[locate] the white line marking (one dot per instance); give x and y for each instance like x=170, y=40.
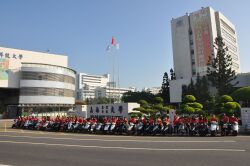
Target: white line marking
x=105, y=140
x=123, y=148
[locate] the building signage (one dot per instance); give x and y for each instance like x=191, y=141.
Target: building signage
x=10, y=56
x=4, y=68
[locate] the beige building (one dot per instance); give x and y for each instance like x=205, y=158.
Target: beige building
x=193, y=37
x=34, y=81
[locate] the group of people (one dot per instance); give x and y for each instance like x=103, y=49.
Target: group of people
x=177, y=124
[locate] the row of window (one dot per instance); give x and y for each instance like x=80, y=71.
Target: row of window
x=46, y=92
x=226, y=26
x=26, y=75
x=52, y=67
x=229, y=36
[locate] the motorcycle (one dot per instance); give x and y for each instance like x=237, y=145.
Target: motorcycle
x=235, y=128
x=203, y=129
x=214, y=128
x=131, y=128
x=224, y=129
x=181, y=129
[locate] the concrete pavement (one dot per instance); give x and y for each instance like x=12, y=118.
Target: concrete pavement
x=23, y=147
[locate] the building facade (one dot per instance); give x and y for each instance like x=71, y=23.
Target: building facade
x=88, y=83
x=112, y=92
x=153, y=90
x=193, y=36
x=95, y=86
x=35, y=81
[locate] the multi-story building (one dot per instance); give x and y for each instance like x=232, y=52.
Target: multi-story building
x=94, y=86
x=35, y=82
x=153, y=90
x=112, y=92
x=88, y=83
x=193, y=38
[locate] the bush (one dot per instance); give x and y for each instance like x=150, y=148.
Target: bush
x=230, y=105
x=226, y=98
x=158, y=100
x=189, y=98
x=242, y=94
x=188, y=110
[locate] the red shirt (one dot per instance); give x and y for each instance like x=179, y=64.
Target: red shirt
x=225, y=119
x=151, y=122
x=214, y=119
x=133, y=120
x=233, y=119
x=166, y=120
x=144, y=121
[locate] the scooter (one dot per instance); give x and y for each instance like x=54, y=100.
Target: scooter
x=235, y=128
x=130, y=128
x=181, y=129
x=224, y=129
x=214, y=128
x=106, y=128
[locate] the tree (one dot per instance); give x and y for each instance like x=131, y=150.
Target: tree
x=188, y=89
x=137, y=96
x=99, y=100
x=172, y=74
x=225, y=104
x=220, y=71
x=165, y=92
x=190, y=106
x=151, y=109
x=199, y=89
x=242, y=94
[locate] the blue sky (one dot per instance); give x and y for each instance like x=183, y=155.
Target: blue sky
x=82, y=29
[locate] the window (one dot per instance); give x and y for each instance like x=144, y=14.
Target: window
x=179, y=23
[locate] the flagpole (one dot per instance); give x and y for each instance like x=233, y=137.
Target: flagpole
x=118, y=79
x=113, y=58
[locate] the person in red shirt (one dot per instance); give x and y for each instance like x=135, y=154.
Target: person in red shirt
x=133, y=120
x=114, y=120
x=233, y=119
x=225, y=119
x=213, y=119
x=159, y=122
x=151, y=121
x=80, y=120
x=84, y=120
x=125, y=120
x=167, y=120
x=144, y=121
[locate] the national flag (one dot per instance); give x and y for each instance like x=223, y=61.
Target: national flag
x=113, y=41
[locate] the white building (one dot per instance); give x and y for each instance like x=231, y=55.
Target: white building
x=94, y=86
x=193, y=38
x=112, y=92
x=88, y=83
x=35, y=81
x=153, y=90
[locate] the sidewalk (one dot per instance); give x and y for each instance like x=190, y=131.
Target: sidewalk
x=6, y=123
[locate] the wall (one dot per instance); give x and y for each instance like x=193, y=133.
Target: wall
x=181, y=47
x=245, y=116
x=117, y=109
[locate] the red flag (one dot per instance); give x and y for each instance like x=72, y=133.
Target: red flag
x=113, y=40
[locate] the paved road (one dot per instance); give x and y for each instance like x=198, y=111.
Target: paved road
x=22, y=147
